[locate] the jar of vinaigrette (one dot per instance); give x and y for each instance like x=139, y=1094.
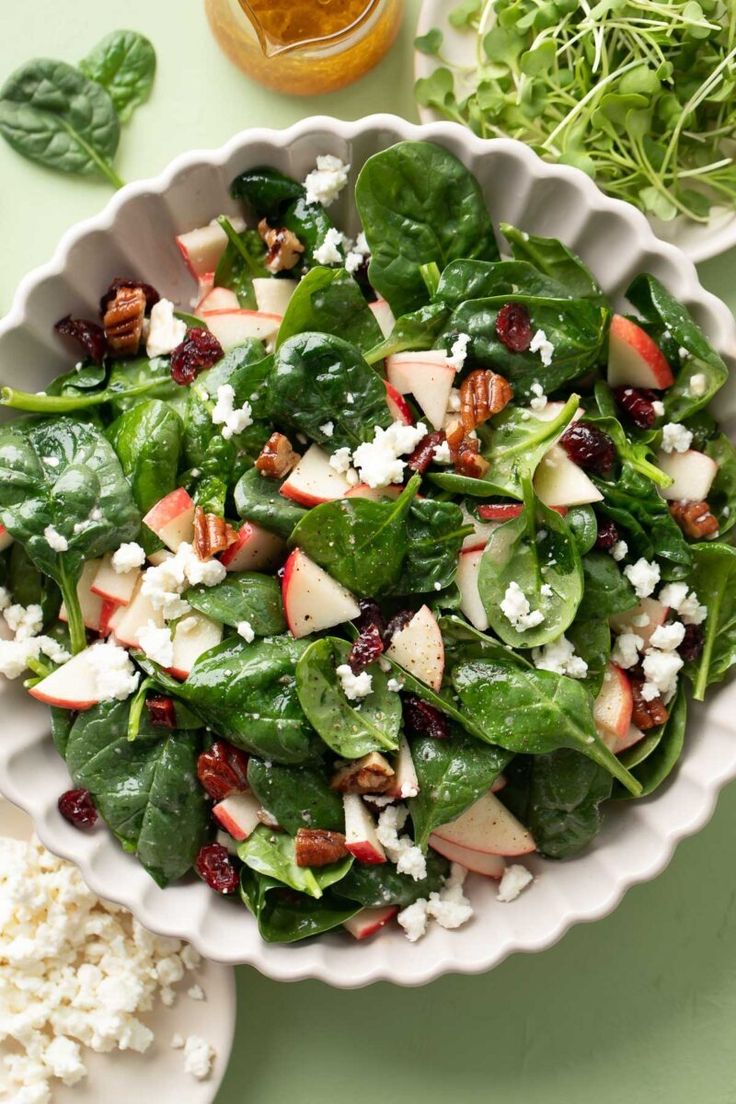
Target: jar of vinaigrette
x=305, y=46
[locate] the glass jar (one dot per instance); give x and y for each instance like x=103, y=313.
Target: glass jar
x=305, y=46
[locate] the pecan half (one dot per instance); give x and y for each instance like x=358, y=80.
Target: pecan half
x=277, y=457
x=695, y=519
x=469, y=461
x=371, y=774
x=284, y=247
x=212, y=534
x=646, y=714
x=423, y=454
x=483, y=393
x=318, y=847
x=123, y=321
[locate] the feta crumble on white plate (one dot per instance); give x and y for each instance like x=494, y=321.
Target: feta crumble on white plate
x=515, y=879
x=449, y=907
x=324, y=184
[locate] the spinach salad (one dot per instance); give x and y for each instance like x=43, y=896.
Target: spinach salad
x=387, y=561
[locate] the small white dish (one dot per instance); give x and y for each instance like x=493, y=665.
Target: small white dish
x=124, y=1076
x=699, y=241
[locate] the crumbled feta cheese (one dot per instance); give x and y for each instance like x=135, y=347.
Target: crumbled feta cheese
x=328, y=429
x=559, y=657
x=354, y=687
x=116, y=677
x=127, y=558
x=245, y=629
x=63, y=1059
x=677, y=597
x=378, y=461
x=165, y=582
x=643, y=576
x=441, y=453
x=52, y=649
x=676, y=438
x=401, y=850
x=177, y=1041
x=56, y=541
x=414, y=919
x=668, y=637
x=394, y=685
x=698, y=383
x=658, y=408
x=515, y=879
x=198, y=1057
x=340, y=460
x=15, y=656
x=626, y=650
x=661, y=670
x=358, y=254
x=330, y=252
x=165, y=331
x=620, y=550
x=196, y=992
x=459, y=351
x=546, y=590
x=540, y=399
x=157, y=643
x=540, y=344
x=516, y=608
x=324, y=184
x=224, y=414
x=450, y=908
x=24, y=621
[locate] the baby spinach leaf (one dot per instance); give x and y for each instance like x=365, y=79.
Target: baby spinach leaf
x=552, y=258
x=381, y=885
x=147, y=791
x=124, y=63
x=533, y=712
x=591, y=638
x=666, y=315
x=606, y=589
x=659, y=764
x=29, y=586
x=257, y=499
x=298, y=797
x=360, y=543
x=242, y=596
x=351, y=730
x=417, y=330
x=53, y=114
x=267, y=191
x=434, y=534
x=285, y=916
x=535, y=550
x=714, y=581
x=419, y=204
x=722, y=495
x=273, y=854
x=129, y=380
x=583, y=526
x=463, y=280
x=565, y=795
x=452, y=775
x=328, y=300
x=637, y=453
x=64, y=474
x=243, y=259
x=62, y=721
x=313, y=373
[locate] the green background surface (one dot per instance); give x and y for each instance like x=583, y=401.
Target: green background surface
x=635, y=1009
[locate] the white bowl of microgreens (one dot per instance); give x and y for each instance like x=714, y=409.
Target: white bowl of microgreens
x=638, y=96
x=374, y=468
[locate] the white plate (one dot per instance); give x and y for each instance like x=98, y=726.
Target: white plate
x=698, y=240
x=135, y=235
x=158, y=1075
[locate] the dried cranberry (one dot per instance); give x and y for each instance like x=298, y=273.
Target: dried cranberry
x=77, y=807
x=223, y=770
x=366, y=649
x=607, y=535
x=422, y=719
x=88, y=334
x=638, y=405
x=423, y=454
x=161, y=711
x=589, y=447
x=152, y=296
x=514, y=327
x=200, y=349
x=215, y=867
x=398, y=622
x=370, y=614
x=692, y=643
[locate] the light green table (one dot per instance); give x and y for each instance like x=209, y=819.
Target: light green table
x=637, y=1009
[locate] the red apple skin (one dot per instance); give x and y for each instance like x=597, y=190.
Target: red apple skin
x=47, y=699
x=368, y=921
x=168, y=508
x=252, y=534
x=286, y=581
x=626, y=332
x=624, y=698
x=479, y=862
x=505, y=511
x=218, y=298
x=5, y=538
x=364, y=852
x=302, y=498
x=106, y=613
x=398, y=406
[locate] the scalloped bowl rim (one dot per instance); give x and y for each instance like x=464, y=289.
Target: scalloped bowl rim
x=470, y=950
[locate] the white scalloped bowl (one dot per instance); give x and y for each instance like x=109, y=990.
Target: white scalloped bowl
x=135, y=235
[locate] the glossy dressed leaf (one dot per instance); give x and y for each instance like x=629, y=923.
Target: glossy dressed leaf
x=53, y=114
x=657, y=767
x=257, y=499
x=637, y=454
x=329, y=301
x=463, y=280
x=147, y=791
x=124, y=63
x=381, y=885
x=606, y=589
x=285, y=916
x=267, y=191
x=62, y=721
x=242, y=261
x=435, y=534
x=419, y=204
x=272, y=854
x=29, y=586
x=583, y=525
x=130, y=380
x=714, y=581
x=565, y=795
x=350, y=729
x=591, y=639
x=242, y=596
x=553, y=259
x=722, y=495
x=298, y=797
x=417, y=330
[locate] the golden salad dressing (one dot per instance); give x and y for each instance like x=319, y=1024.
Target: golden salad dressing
x=305, y=46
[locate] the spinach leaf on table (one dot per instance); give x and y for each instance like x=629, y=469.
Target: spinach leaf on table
x=565, y=795
x=328, y=300
x=380, y=885
x=662, y=760
x=64, y=474
x=242, y=596
x=552, y=258
x=312, y=374
x=349, y=729
x=298, y=797
x=53, y=114
x=284, y=916
x=147, y=791
x=257, y=499
x=272, y=854
x=452, y=775
x=418, y=203
x=606, y=589
x=124, y=63
x=714, y=581
x=242, y=261
x=533, y=712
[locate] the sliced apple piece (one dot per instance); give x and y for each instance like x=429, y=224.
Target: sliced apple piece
x=375, y=494
x=614, y=705
x=369, y=920
x=482, y=529
x=5, y=538
x=314, y=480
x=90, y=603
x=108, y=611
x=642, y=619
x=488, y=826
x=384, y=316
x=111, y=586
x=238, y=814
x=633, y=736
x=202, y=248
x=398, y=407
x=428, y=376
x=74, y=685
x=468, y=566
x=419, y=648
x=490, y=866
x=272, y=296
x=233, y=327
x=172, y=518
x=312, y=599
x=218, y=299
x=634, y=359
x=194, y=635
x=405, y=782
x=560, y=482
x=129, y=620
x=361, y=837
x=692, y=473
x=254, y=549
